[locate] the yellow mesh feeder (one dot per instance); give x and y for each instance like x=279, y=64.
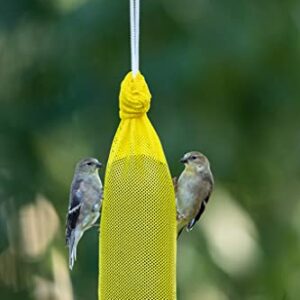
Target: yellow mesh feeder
x=138, y=222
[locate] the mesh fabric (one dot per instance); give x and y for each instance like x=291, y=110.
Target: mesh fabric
x=138, y=223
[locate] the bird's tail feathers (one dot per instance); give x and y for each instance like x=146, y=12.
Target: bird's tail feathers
x=180, y=227
x=72, y=244
x=179, y=232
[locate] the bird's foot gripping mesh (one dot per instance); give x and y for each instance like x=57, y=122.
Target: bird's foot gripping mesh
x=138, y=225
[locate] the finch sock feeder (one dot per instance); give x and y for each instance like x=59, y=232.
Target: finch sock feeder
x=138, y=223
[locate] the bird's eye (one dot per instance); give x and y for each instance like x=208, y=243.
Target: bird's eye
x=193, y=157
x=89, y=163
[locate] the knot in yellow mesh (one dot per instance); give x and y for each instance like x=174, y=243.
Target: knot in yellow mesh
x=135, y=97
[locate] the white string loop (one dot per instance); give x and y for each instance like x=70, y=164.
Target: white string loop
x=134, y=35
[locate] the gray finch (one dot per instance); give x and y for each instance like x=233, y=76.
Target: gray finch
x=84, y=203
x=193, y=189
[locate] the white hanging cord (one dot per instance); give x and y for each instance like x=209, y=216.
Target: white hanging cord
x=134, y=34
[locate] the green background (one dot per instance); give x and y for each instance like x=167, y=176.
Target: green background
x=224, y=77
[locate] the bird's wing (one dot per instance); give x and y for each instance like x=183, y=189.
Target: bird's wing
x=74, y=206
x=202, y=206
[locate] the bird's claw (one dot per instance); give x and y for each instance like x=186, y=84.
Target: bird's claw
x=180, y=216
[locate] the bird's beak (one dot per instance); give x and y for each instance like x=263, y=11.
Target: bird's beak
x=99, y=165
x=183, y=160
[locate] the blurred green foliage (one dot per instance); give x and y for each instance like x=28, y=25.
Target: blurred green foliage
x=224, y=76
